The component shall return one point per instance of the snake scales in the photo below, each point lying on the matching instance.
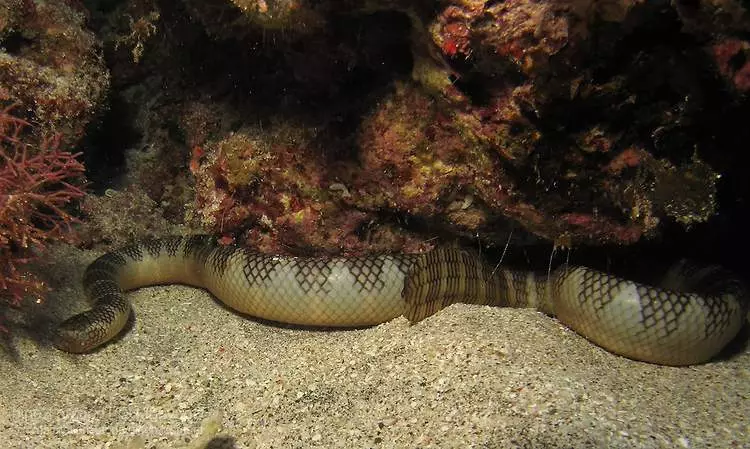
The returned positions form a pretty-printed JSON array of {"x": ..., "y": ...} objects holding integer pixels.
[{"x": 668, "y": 326}]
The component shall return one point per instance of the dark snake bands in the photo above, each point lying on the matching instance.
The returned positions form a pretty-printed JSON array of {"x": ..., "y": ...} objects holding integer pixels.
[{"x": 686, "y": 321}]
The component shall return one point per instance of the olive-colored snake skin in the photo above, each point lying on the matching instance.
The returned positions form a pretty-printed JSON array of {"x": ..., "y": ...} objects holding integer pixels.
[{"x": 657, "y": 325}]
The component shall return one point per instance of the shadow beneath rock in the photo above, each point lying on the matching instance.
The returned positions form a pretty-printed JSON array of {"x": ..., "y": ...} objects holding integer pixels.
[{"x": 737, "y": 346}]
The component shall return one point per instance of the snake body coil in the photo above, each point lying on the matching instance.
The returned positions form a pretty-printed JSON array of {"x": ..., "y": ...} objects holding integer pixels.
[{"x": 668, "y": 326}]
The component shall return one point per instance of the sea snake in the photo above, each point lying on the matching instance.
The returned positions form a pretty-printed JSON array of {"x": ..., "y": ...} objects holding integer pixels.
[{"x": 688, "y": 321}]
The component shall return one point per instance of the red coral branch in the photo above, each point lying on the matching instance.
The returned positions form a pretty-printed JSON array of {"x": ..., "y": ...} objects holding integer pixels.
[{"x": 37, "y": 181}]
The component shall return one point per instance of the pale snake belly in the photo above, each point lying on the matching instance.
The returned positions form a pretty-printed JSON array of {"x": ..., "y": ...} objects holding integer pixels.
[{"x": 670, "y": 326}]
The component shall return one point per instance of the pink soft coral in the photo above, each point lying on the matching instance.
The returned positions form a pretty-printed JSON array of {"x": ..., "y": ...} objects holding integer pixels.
[{"x": 37, "y": 181}]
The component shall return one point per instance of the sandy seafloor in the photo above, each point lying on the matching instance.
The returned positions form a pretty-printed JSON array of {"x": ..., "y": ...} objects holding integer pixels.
[{"x": 190, "y": 373}]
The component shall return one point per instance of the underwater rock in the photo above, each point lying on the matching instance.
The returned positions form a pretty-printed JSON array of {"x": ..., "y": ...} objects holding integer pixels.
[
  {"x": 733, "y": 60},
  {"x": 233, "y": 19},
  {"x": 51, "y": 65},
  {"x": 347, "y": 126},
  {"x": 280, "y": 181}
]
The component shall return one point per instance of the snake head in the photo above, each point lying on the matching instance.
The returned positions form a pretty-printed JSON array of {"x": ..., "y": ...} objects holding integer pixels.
[{"x": 78, "y": 334}]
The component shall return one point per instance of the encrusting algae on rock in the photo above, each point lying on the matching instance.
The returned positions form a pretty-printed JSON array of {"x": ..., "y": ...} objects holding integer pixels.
[
  {"x": 488, "y": 147},
  {"x": 355, "y": 127}
]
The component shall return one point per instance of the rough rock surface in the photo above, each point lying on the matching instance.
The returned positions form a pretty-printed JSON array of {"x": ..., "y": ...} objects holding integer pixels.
[
  {"x": 352, "y": 126},
  {"x": 51, "y": 65}
]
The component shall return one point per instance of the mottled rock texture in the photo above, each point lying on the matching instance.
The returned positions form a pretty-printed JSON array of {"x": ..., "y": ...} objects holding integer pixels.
[
  {"x": 347, "y": 126},
  {"x": 51, "y": 66}
]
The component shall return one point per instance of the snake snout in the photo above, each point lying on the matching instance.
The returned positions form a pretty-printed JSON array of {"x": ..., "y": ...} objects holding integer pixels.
[{"x": 71, "y": 335}]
